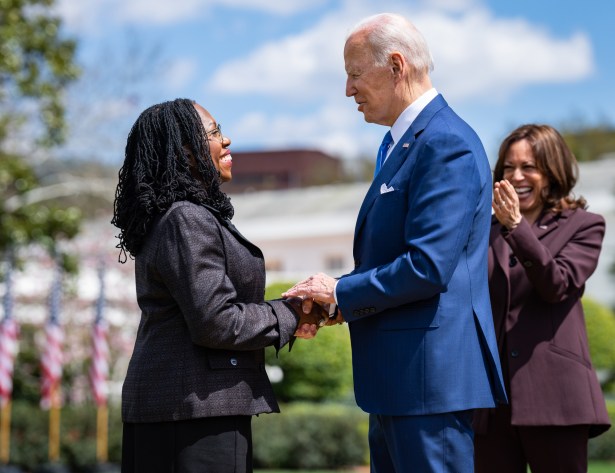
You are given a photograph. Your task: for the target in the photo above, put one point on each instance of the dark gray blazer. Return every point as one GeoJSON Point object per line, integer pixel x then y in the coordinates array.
{"type": "Point", "coordinates": [199, 350]}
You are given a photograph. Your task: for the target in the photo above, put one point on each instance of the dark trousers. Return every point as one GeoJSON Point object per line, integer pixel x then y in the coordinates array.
{"type": "Point", "coordinates": [440, 443]}
{"type": "Point", "coordinates": [509, 449]}
{"type": "Point", "coordinates": [207, 445]}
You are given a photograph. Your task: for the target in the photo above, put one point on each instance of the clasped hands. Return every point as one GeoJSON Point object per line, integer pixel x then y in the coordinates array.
{"type": "Point", "coordinates": [506, 204]}
{"type": "Point", "coordinates": [312, 299]}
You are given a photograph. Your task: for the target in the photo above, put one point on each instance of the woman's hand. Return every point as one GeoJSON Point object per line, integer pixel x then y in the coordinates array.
{"type": "Point", "coordinates": [506, 204]}
{"type": "Point", "coordinates": [310, 319]}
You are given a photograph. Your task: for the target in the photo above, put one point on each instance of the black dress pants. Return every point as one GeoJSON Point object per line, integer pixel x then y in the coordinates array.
{"type": "Point", "coordinates": [207, 445]}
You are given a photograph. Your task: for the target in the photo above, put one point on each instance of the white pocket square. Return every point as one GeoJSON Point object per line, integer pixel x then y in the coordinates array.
{"type": "Point", "coordinates": [384, 189]}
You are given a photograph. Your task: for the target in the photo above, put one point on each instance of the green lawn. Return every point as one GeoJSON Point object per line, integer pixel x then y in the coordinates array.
{"type": "Point", "coordinates": [594, 467]}
{"type": "Point", "coordinates": [601, 467]}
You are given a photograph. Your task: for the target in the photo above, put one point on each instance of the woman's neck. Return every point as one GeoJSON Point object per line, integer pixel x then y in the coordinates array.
{"type": "Point", "coordinates": [532, 215]}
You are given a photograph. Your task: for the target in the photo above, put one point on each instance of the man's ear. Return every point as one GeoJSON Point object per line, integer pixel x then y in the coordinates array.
{"type": "Point", "coordinates": [398, 64]}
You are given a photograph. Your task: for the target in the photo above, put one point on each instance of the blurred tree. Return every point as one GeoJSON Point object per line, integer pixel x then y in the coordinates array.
{"type": "Point", "coordinates": [120, 78]}
{"type": "Point", "coordinates": [36, 64]}
{"type": "Point", "coordinates": [589, 143]}
{"type": "Point", "coordinates": [21, 222]}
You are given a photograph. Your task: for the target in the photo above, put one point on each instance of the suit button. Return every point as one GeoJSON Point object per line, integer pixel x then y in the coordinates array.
{"type": "Point", "coordinates": [528, 264]}
{"type": "Point", "coordinates": [514, 353]}
{"type": "Point", "coordinates": [234, 361]}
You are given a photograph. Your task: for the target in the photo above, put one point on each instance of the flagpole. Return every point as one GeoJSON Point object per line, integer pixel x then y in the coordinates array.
{"type": "Point", "coordinates": [54, 426]}
{"type": "Point", "coordinates": [51, 364]}
{"type": "Point", "coordinates": [9, 333]}
{"type": "Point", "coordinates": [5, 432]}
{"type": "Point", "coordinates": [102, 432]}
{"type": "Point", "coordinates": [99, 371]}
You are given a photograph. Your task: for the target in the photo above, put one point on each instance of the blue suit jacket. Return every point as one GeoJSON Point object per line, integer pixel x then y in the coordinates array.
{"type": "Point", "coordinates": [417, 301]}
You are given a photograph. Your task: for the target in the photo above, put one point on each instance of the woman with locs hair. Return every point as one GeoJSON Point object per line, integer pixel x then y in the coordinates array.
{"type": "Point", "coordinates": [543, 247]}
{"type": "Point", "coordinates": [197, 372]}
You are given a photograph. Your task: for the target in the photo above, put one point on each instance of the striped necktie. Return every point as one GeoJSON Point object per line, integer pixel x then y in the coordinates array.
{"type": "Point", "coordinates": [382, 151]}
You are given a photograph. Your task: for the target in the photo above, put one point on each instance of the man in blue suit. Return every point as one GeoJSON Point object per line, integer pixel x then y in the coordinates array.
{"type": "Point", "coordinates": [417, 303]}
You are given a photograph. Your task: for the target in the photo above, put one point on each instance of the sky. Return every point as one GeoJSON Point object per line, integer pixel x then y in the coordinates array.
{"type": "Point", "coordinates": [271, 72]}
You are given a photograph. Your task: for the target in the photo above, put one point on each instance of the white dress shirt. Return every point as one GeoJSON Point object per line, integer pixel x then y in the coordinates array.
{"type": "Point", "coordinates": [407, 117]}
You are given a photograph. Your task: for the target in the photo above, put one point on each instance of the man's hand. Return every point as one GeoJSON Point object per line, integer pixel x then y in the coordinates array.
{"type": "Point", "coordinates": [320, 287]}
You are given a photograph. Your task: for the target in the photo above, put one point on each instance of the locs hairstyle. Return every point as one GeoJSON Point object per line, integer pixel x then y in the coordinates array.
{"type": "Point", "coordinates": [167, 160]}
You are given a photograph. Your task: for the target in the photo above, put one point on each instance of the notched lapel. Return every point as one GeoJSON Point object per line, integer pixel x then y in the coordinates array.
{"type": "Point", "coordinates": [398, 156]}
{"type": "Point", "coordinates": [386, 174]}
{"type": "Point", "coordinates": [231, 228]}
{"type": "Point", "coordinates": [548, 223]}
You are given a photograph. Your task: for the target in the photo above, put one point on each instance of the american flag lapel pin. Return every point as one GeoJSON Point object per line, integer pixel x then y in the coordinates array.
{"type": "Point", "coordinates": [405, 145]}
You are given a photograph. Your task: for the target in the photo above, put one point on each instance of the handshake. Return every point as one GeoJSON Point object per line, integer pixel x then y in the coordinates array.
{"type": "Point", "coordinates": [313, 299]}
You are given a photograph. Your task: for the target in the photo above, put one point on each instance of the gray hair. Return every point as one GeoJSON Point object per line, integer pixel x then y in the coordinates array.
{"type": "Point", "coordinates": [387, 33]}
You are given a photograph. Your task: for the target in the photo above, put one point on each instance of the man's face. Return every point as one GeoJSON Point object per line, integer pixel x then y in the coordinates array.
{"type": "Point", "coordinates": [372, 87]}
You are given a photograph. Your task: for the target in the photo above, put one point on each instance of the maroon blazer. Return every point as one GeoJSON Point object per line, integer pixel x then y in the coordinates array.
{"type": "Point", "coordinates": [537, 276]}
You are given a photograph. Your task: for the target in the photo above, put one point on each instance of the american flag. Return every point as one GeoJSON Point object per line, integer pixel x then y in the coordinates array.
{"type": "Point", "coordinates": [9, 332]}
{"type": "Point", "coordinates": [99, 370]}
{"type": "Point", "coordinates": [51, 361]}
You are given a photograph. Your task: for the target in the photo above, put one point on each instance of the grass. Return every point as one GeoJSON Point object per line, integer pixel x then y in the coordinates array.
{"type": "Point", "coordinates": [594, 467]}
{"type": "Point", "coordinates": [601, 467]}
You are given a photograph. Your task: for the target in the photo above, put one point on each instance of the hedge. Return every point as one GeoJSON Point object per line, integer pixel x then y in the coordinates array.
{"type": "Point", "coordinates": [603, 447]}
{"type": "Point", "coordinates": [311, 436]}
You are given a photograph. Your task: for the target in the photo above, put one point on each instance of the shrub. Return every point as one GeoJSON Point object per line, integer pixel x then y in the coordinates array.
{"type": "Point", "coordinates": [603, 446]}
{"type": "Point", "coordinates": [316, 370]}
{"type": "Point", "coordinates": [30, 428]}
{"type": "Point", "coordinates": [311, 436]}
{"type": "Point", "coordinates": [600, 322]}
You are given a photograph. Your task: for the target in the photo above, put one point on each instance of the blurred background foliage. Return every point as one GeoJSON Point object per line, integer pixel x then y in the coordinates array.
{"type": "Point", "coordinates": [37, 62]}
{"type": "Point", "coordinates": [590, 142]}
{"type": "Point", "coordinates": [320, 427]}
{"type": "Point", "coordinates": [314, 370]}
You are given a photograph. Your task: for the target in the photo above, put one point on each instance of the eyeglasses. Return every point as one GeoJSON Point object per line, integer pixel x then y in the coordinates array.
{"type": "Point", "coordinates": [216, 133]}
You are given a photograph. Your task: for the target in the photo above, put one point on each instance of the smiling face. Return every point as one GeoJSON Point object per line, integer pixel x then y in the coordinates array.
{"type": "Point", "coordinates": [371, 86]}
{"type": "Point", "coordinates": [521, 171]}
{"type": "Point", "coordinates": [218, 145]}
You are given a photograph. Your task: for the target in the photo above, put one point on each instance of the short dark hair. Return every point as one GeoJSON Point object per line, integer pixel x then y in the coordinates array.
{"type": "Point", "coordinates": [167, 159]}
{"type": "Point", "coordinates": [553, 158]}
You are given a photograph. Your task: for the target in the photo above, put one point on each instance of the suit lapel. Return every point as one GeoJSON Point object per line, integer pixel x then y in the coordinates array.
{"type": "Point", "coordinates": [501, 250]}
{"type": "Point", "coordinates": [390, 168]}
{"type": "Point", "coordinates": [398, 157]}
{"type": "Point", "coordinates": [548, 223]}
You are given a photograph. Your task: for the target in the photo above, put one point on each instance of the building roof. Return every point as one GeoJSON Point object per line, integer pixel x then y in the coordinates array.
{"type": "Point", "coordinates": [282, 169]}
{"type": "Point", "coordinates": [312, 211]}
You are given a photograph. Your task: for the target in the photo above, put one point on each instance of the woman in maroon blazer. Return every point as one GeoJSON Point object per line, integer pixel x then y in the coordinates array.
{"type": "Point", "coordinates": [543, 247]}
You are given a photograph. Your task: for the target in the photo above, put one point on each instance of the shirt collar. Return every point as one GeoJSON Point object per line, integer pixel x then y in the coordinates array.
{"type": "Point", "coordinates": [408, 116]}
